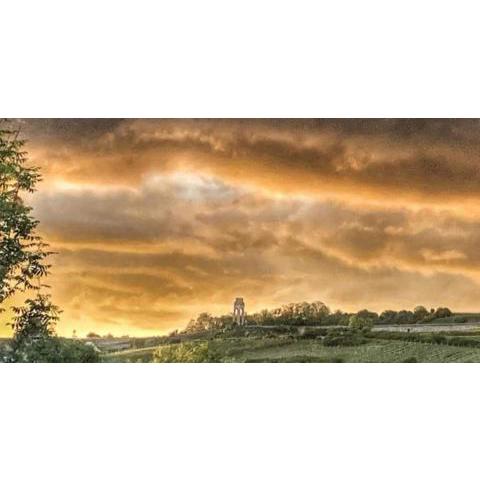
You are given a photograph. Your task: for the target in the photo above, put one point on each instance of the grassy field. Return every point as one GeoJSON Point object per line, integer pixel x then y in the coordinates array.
{"type": "Point", "coordinates": [135, 355]}
{"type": "Point", "coordinates": [284, 349]}
{"type": "Point", "coordinates": [459, 318]}
{"type": "Point", "coordinates": [384, 351]}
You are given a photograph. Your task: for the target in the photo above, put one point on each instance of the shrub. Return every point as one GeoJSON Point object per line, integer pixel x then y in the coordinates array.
{"type": "Point", "coordinates": [361, 321]}
{"type": "Point", "coordinates": [463, 342]}
{"type": "Point", "coordinates": [419, 313]}
{"type": "Point", "coordinates": [436, 338]}
{"type": "Point", "coordinates": [54, 350]}
{"type": "Point", "coordinates": [187, 352]}
{"type": "Point", "coordinates": [343, 339]}
{"type": "Point", "coordinates": [443, 312]}
{"type": "Point", "coordinates": [388, 316]}
{"type": "Point", "coordinates": [405, 317]}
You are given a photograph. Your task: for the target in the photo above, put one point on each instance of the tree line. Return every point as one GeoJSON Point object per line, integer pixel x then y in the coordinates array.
{"type": "Point", "coordinates": [319, 314]}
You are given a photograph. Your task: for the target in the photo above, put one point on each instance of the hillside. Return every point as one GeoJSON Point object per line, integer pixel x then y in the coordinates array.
{"type": "Point", "coordinates": [312, 346]}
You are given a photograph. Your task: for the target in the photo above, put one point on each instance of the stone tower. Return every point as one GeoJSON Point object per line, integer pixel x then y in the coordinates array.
{"type": "Point", "coordinates": [239, 311]}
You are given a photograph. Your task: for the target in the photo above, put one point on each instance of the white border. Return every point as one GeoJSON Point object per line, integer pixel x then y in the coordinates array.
{"type": "Point", "coordinates": [239, 421]}
{"type": "Point", "coordinates": [239, 59]}
{"type": "Point", "coordinates": [184, 58]}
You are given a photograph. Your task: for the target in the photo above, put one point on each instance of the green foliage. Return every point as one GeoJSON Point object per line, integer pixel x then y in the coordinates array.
{"type": "Point", "coordinates": [304, 313]}
{"type": "Point", "coordinates": [388, 316]}
{"type": "Point", "coordinates": [442, 312]}
{"type": "Point", "coordinates": [265, 317]}
{"type": "Point", "coordinates": [340, 344]}
{"type": "Point", "coordinates": [206, 322]}
{"type": "Point", "coordinates": [462, 341]}
{"type": "Point", "coordinates": [432, 338]}
{"type": "Point", "coordinates": [420, 313]}
{"type": "Point", "coordinates": [292, 314]}
{"type": "Point", "coordinates": [405, 317]}
{"type": "Point", "coordinates": [362, 320]}
{"type": "Point", "coordinates": [22, 251]}
{"type": "Point", "coordinates": [187, 352]}
{"type": "Point", "coordinates": [136, 355]}
{"type": "Point", "coordinates": [338, 318]}
{"type": "Point", "coordinates": [344, 338]}
{"type": "Point", "coordinates": [36, 319]}
{"type": "Point", "coordinates": [54, 350]}
{"type": "Point", "coordinates": [317, 314]}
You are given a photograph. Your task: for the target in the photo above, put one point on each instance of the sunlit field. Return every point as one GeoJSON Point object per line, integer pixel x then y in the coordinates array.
{"type": "Point", "coordinates": [334, 345]}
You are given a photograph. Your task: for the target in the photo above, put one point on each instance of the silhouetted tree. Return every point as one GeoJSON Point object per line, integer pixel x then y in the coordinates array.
{"type": "Point", "coordinates": [388, 316]}
{"type": "Point", "coordinates": [23, 253]}
{"type": "Point", "coordinates": [420, 313]}
{"type": "Point", "coordinates": [93, 335]}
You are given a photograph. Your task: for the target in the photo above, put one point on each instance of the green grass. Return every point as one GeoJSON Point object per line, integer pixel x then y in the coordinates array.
{"type": "Point", "coordinates": [143, 355]}
{"type": "Point", "coordinates": [285, 349]}
{"type": "Point", "coordinates": [377, 351]}
{"type": "Point", "coordinates": [459, 318]}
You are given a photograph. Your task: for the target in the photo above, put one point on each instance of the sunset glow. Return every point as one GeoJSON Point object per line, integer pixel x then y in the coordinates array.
{"type": "Point", "coordinates": [155, 221]}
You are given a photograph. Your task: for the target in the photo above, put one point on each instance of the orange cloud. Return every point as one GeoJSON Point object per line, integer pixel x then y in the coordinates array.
{"type": "Point", "coordinates": [158, 220]}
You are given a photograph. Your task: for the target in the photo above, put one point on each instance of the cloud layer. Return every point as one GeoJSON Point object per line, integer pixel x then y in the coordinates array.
{"type": "Point", "coordinates": [157, 220]}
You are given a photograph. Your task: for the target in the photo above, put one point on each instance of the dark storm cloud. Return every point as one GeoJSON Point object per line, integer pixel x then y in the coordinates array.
{"type": "Point", "coordinates": [70, 131]}
{"type": "Point", "coordinates": [157, 220]}
{"type": "Point", "coordinates": [421, 158]}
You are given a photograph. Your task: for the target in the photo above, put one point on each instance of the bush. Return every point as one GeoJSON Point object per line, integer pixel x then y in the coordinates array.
{"type": "Point", "coordinates": [53, 350]}
{"type": "Point", "coordinates": [188, 352]}
{"type": "Point", "coordinates": [360, 321]}
{"type": "Point", "coordinates": [463, 342]}
{"type": "Point", "coordinates": [443, 312]}
{"type": "Point", "coordinates": [435, 338]}
{"type": "Point", "coordinates": [388, 316]}
{"type": "Point", "coordinates": [343, 339]}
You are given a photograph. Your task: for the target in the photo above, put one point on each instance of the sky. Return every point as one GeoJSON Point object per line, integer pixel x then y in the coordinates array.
{"type": "Point", "coordinates": [155, 221]}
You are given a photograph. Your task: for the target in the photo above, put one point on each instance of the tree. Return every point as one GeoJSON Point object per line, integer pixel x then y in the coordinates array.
{"type": "Point", "coordinates": [321, 311]}
{"type": "Point", "coordinates": [265, 317]}
{"type": "Point", "coordinates": [404, 317]}
{"type": "Point", "coordinates": [363, 319]}
{"type": "Point", "coordinates": [442, 312]}
{"type": "Point", "coordinates": [338, 318]}
{"type": "Point", "coordinates": [419, 313]}
{"type": "Point", "coordinates": [53, 349]}
{"type": "Point", "coordinates": [93, 335]}
{"type": "Point", "coordinates": [360, 322]}
{"type": "Point", "coordinates": [367, 314]}
{"type": "Point", "coordinates": [36, 319]}
{"type": "Point", "coordinates": [388, 316]}
{"type": "Point", "coordinates": [23, 253]}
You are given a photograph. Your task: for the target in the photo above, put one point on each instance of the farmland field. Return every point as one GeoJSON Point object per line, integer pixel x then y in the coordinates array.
{"type": "Point", "coordinates": [283, 349]}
